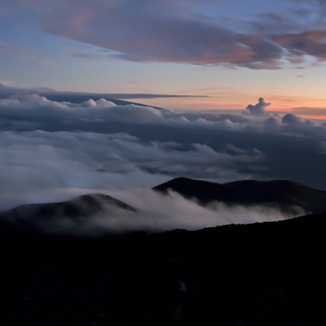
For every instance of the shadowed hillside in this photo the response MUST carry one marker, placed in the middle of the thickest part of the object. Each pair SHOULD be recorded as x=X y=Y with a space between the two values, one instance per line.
x=283 y=194
x=74 y=211
x=260 y=274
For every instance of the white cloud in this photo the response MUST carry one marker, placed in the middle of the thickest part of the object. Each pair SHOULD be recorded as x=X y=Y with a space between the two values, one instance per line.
x=259 y=109
x=32 y=111
x=50 y=145
x=155 y=212
x=172 y=211
x=38 y=161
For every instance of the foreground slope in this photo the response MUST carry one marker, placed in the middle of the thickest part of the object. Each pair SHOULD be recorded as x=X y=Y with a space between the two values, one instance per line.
x=261 y=274
x=286 y=195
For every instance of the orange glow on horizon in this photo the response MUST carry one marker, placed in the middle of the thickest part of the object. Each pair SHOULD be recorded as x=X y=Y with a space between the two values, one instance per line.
x=282 y=104
x=313 y=117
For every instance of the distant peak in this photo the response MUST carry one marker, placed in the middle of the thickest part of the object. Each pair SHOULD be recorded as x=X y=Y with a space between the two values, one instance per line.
x=285 y=195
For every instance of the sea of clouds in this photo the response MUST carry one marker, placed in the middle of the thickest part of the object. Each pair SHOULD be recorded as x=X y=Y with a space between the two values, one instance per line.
x=55 y=150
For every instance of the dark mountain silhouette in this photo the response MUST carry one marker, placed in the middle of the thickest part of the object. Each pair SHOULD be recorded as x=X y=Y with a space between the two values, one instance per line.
x=260 y=274
x=75 y=210
x=286 y=195
x=271 y=273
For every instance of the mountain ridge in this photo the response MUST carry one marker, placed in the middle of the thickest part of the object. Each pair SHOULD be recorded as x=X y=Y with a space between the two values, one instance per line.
x=77 y=210
x=229 y=275
x=284 y=194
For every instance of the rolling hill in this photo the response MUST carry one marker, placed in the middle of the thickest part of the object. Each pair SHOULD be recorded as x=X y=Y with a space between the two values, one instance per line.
x=286 y=195
x=75 y=211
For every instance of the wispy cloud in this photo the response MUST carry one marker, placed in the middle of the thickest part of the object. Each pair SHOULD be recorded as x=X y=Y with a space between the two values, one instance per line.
x=154 y=32
x=19 y=52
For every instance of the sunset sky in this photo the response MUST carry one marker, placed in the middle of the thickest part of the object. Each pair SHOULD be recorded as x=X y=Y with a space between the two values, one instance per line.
x=231 y=52
x=100 y=95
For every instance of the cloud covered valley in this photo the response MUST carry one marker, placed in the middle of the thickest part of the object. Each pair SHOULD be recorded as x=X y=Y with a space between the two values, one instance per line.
x=56 y=150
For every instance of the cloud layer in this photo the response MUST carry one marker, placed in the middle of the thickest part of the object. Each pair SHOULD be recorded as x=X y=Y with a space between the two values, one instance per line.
x=162 y=213
x=185 y=31
x=23 y=112
x=55 y=150
x=37 y=161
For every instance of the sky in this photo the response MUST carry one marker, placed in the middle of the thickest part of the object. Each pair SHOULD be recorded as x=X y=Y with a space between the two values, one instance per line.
x=212 y=90
x=229 y=53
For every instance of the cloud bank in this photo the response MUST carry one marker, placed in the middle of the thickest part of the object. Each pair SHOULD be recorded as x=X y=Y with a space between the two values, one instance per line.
x=162 y=213
x=55 y=150
x=193 y=32
x=38 y=161
x=23 y=112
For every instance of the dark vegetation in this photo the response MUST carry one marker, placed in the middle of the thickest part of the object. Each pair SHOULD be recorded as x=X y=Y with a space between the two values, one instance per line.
x=260 y=274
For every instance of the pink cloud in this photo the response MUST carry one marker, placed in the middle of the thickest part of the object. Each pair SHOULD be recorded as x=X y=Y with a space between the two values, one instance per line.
x=146 y=31
x=167 y=31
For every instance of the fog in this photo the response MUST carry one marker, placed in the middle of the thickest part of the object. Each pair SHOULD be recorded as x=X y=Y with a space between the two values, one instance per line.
x=170 y=211
x=157 y=212
x=53 y=150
